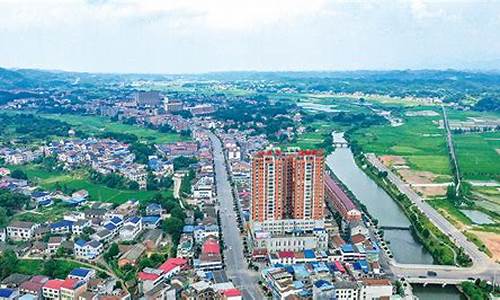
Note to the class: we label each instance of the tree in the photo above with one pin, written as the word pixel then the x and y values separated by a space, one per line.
pixel 112 252
pixel 18 174
pixel 426 233
pixel 50 268
pixel 8 262
pixel 3 217
pixel 173 226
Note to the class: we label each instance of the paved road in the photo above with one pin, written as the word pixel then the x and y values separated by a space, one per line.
pixel 482 267
pixel 236 265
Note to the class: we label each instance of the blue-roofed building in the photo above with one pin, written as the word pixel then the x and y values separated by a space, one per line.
pixel 82 274
pixel 88 249
pixel 80 242
pixel 189 229
pixel 154 209
pixel 8 294
pixel 111 227
pixel 45 203
pixel 61 227
pixel 309 255
pixel 347 248
pixel 118 222
pixel 75 201
pixel 151 222
pixel 131 228
pixel 323 289
pixel 300 271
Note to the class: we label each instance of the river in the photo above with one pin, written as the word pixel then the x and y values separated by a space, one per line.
pixel 404 246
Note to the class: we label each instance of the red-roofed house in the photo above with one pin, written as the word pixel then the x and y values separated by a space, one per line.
pixel 64 289
pixel 52 289
pixel 231 294
pixel 210 246
pixel 286 257
pixel 149 278
pixel 72 288
pixel 173 266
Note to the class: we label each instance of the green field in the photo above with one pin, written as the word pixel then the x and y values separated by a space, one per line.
pixel 36 267
pixel 478 155
pixel 419 140
pixel 95 124
pixel 77 180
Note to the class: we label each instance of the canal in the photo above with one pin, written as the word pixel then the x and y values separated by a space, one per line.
pixel 404 246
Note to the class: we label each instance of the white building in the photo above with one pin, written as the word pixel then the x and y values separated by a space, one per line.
pixel 131 229
pixel 372 289
pixel 21 231
pixel 88 250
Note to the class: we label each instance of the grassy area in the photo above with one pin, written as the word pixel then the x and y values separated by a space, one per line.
pixel 442 249
pixel 419 140
pixel 480 245
pixel 450 212
pixel 96 124
pixel 476 153
pixel 50 180
pixel 36 267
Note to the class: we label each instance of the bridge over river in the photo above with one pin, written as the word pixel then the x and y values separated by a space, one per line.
pixel 411 261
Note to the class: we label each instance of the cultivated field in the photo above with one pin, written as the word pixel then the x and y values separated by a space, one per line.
pixel 95 124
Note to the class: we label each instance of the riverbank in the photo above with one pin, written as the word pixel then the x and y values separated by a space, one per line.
pixel 442 249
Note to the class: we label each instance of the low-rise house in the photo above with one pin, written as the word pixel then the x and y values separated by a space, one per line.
pixel 38 248
pixel 68 289
pixel 61 227
pixel 14 280
pixel 231 294
pixel 148 279
pixel 8 294
pixel 173 266
pixel 34 286
pixel 131 229
pixel 151 222
pixel 82 274
pixel 131 257
pixel 202 232
pixel 104 235
pixel 162 291
pixel 21 231
pixel 88 250
pixel 80 225
pixel 154 209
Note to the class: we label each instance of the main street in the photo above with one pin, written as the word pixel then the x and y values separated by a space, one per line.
pixel 482 267
pixel 236 265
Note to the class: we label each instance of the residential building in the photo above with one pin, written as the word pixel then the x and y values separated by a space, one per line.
pixel 88 250
pixel 287 185
pixel 21 231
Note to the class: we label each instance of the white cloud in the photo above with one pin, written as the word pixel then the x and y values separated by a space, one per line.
pixel 214 14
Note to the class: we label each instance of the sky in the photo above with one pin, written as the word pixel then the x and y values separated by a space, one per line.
pixel 192 36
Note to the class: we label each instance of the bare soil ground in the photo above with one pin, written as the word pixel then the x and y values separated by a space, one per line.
pixel 417 177
pixel 492 242
pixel 431 191
pixel 392 160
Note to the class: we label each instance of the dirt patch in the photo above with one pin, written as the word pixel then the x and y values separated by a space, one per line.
pixel 417 177
pixel 498 150
pixel 431 191
pixel 392 160
pixel 492 242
